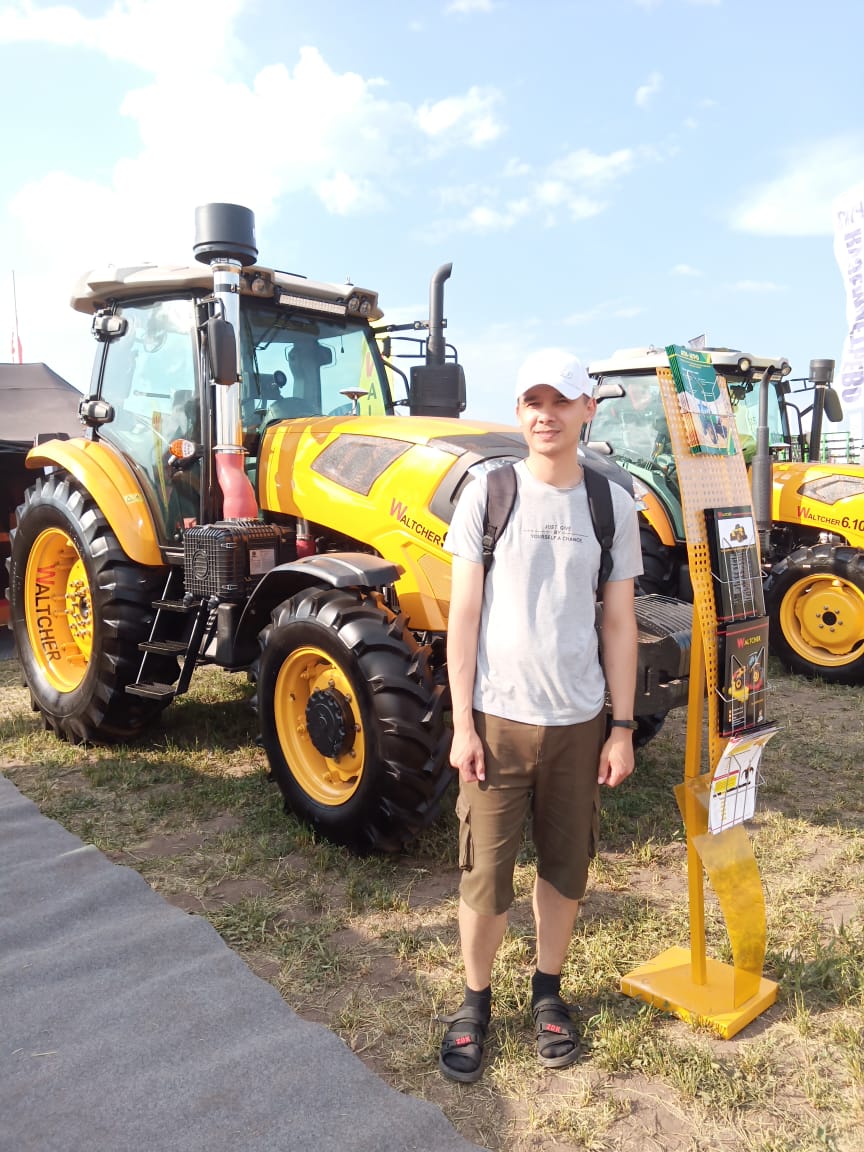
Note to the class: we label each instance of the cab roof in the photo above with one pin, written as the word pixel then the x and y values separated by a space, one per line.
pixel 650 358
pixel 109 284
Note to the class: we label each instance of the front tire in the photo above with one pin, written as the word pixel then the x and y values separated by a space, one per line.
pixel 815 598
pixel 351 720
pixel 79 609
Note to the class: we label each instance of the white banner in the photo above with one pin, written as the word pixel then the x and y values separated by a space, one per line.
pixel 849 250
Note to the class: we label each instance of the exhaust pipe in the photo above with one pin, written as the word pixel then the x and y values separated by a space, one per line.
pixel 435 345
pixel 225 240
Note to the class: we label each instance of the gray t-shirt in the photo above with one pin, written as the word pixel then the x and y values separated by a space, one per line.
pixel 537 659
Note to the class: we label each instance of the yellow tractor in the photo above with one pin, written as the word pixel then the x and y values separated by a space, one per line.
pixel 248 494
pixel 808 499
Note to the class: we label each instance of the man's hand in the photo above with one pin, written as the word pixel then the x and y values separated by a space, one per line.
pixel 466 755
pixel 616 758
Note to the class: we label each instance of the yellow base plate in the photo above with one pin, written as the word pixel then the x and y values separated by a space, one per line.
pixel 667 983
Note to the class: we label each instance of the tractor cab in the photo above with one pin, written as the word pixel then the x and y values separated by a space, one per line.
pixel 304 350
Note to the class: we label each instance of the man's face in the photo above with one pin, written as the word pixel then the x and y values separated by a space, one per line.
pixel 639 393
pixel 550 422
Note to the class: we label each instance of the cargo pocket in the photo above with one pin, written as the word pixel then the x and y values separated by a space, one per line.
pixel 466 845
pixel 594 839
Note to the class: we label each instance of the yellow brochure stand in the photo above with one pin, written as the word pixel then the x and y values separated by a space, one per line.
pixel 685 981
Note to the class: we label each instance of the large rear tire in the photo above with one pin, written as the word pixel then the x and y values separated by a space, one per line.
pixel 815 598
pixel 351 719
pixel 79 610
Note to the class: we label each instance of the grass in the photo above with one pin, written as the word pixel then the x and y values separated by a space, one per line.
pixel 369 946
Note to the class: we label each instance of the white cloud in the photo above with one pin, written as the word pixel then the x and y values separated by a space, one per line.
pixel 593 168
pixel 758 286
pixel 798 201
pixel 468 119
pixel 300 125
pixel 685 270
pixel 647 91
pixel 153 35
pixel 568 187
pixel 468 7
pixel 484 218
pixel 583 207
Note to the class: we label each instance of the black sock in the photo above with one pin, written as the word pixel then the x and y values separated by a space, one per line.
pixel 544 984
pixel 481 1000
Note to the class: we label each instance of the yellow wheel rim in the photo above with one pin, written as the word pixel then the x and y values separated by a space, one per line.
pixel 59 609
pixel 822 617
pixel 328 780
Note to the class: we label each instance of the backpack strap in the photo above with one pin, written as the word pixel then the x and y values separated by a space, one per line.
pixel 500 498
pixel 602 518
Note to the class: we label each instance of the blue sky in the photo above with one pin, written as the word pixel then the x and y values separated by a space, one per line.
pixel 601 174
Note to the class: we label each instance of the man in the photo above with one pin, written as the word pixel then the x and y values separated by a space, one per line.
pixel 528 690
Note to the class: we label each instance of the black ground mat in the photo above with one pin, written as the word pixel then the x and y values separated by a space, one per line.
pixel 127 1025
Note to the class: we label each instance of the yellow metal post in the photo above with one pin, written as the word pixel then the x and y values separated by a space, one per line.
pixel 692 769
pixel 688 982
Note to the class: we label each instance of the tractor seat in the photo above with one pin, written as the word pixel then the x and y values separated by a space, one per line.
pixel 289 407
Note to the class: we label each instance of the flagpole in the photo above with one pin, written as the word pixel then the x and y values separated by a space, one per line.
pixel 17 356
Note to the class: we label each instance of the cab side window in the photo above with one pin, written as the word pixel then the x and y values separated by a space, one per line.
pixel 149 377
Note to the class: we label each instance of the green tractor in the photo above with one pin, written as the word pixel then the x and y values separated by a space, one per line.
pixel 809 509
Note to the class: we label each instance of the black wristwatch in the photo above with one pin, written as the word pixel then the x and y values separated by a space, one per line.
pixel 631 724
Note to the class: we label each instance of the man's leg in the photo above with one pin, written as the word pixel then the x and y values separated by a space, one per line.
pixel 481 938
pixel 554 917
pixel 565 817
pixel 491 820
pixel 461 1056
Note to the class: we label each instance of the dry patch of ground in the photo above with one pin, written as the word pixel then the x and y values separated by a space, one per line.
pixel 369 947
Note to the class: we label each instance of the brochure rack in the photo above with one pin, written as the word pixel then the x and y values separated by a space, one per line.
pixel 714 804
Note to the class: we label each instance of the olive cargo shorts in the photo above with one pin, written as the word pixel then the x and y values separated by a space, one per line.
pixel 549 772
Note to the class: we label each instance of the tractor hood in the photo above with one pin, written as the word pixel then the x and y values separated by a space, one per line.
pixel 826 497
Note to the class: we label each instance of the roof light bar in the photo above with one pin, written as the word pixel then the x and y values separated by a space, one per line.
pixel 287 299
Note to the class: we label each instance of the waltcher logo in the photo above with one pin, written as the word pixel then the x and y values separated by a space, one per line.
pixel 399 511
pixel 45 578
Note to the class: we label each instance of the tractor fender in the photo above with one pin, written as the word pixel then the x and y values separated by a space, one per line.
pixel 111 483
pixel 328 570
pixel 656 514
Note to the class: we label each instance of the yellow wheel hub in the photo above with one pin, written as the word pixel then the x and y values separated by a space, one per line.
pixel 822 617
pixel 319 726
pixel 59 609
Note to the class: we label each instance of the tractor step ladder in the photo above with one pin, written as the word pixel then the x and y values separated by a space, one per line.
pixel 167 609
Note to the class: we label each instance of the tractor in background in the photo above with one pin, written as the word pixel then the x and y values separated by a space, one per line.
pixel 809 510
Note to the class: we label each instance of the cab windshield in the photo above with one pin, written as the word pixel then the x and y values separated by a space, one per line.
pixel 745 405
pixel 296 365
pixel 635 423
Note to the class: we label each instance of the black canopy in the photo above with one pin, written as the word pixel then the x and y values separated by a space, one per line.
pixel 34 399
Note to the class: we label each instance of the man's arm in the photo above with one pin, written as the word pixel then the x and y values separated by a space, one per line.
pixel 619 665
pixel 463 632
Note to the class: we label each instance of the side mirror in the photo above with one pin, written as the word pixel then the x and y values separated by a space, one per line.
pixel 94 413
pixel 221 351
pixel 833 407
pixel 608 390
pixel 108 326
pixel 437 390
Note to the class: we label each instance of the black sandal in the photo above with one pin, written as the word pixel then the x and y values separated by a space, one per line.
pixel 556 1035
pixel 463 1040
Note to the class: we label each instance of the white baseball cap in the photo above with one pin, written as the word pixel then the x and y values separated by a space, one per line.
pixel 558 369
